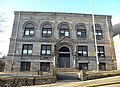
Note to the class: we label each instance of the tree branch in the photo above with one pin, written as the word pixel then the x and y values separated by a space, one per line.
pixel 2 22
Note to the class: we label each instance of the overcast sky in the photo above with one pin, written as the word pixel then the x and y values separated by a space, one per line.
pixel 7 7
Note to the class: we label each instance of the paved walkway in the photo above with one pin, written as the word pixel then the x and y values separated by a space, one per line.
pixel 89 83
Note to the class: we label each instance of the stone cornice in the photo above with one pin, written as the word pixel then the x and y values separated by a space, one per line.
pixel 60 14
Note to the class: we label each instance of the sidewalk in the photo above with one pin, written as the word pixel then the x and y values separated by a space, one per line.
pixel 88 83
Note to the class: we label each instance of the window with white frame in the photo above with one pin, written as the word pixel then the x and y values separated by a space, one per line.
pixel 47 31
pixel 45 49
pixel 29 30
pixel 82 51
pixel 27 49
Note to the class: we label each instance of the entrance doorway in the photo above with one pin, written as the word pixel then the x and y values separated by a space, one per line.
pixel 64 57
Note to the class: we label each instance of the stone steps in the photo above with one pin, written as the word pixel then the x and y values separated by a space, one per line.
pixel 67 70
pixel 67 76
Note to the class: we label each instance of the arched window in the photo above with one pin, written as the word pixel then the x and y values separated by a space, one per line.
pixel 64 30
pixel 81 31
pixel 98 32
pixel 29 30
pixel 47 30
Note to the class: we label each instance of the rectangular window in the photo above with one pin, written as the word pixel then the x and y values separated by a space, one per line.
pixel 49 32
pixel 101 51
pixel 26 32
pixel 45 49
pixel 25 66
pixel 81 33
pixel 31 32
pixel 82 51
pixel 83 66
pixel 62 33
pixel 98 34
pixel 45 66
pixel 102 66
pixel 66 33
pixel 27 49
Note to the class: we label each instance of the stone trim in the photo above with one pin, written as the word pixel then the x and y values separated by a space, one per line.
pixel 34 60
pixel 32 22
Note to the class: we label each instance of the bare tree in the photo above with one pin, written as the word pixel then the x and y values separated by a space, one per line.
pixel 3 27
pixel 2 22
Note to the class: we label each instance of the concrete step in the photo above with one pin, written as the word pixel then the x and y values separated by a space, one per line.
pixel 67 76
pixel 67 70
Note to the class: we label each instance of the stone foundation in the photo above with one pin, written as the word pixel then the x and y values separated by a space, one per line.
pixel 16 82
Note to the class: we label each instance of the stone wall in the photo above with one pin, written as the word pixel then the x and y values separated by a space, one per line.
pixel 16 82
pixel 55 19
pixel 101 74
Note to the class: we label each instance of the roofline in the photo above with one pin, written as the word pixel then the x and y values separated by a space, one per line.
pixel 15 12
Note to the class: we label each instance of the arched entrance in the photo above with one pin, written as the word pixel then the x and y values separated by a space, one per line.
pixel 64 57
